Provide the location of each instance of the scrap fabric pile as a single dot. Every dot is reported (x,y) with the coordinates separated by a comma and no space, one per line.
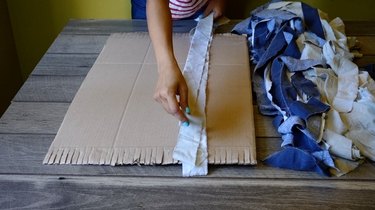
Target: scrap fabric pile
(304,76)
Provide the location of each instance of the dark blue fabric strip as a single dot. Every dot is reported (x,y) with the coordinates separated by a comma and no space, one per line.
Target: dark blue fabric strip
(265,106)
(276,46)
(304,85)
(243,27)
(370,69)
(312,20)
(305,110)
(282,90)
(296,159)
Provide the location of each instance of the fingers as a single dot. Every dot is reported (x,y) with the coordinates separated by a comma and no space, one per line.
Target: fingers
(171,83)
(215,6)
(217,14)
(176,111)
(209,8)
(184,99)
(170,104)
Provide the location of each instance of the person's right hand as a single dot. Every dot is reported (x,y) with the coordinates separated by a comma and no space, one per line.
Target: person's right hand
(170,85)
(215,6)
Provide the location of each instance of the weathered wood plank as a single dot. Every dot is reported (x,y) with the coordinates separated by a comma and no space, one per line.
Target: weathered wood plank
(49,88)
(357,28)
(23,154)
(367,44)
(178,193)
(365,60)
(65,64)
(263,125)
(78,44)
(33,117)
(46,118)
(106,27)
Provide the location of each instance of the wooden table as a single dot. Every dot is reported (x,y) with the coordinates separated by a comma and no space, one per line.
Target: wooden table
(29,125)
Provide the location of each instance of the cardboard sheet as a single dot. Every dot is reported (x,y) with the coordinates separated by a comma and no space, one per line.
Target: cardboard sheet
(113,119)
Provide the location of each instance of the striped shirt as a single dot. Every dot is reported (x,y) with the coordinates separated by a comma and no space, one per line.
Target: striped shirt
(185,8)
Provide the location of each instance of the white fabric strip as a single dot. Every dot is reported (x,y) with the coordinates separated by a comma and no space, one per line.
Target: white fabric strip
(191,147)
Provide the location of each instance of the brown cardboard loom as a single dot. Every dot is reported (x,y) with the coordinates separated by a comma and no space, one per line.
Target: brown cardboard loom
(113,119)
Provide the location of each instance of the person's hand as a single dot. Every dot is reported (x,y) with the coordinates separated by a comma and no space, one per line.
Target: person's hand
(171,84)
(215,6)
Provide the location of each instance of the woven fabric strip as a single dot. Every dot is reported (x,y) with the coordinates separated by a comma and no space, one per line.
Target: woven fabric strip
(191,147)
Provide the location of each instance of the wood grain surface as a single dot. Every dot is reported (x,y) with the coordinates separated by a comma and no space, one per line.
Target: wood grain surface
(51,192)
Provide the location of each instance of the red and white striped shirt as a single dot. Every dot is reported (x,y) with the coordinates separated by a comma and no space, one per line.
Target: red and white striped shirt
(185,8)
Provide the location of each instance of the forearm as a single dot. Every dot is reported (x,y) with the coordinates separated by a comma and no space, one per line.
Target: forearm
(170,81)
(160,28)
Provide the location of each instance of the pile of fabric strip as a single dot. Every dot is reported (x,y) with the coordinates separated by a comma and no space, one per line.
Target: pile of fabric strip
(323,104)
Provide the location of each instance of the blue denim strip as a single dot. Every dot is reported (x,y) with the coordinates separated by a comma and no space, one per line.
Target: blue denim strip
(312,20)
(325,158)
(292,50)
(310,112)
(314,39)
(306,110)
(279,15)
(276,47)
(261,39)
(243,27)
(304,85)
(370,69)
(296,159)
(284,95)
(286,129)
(309,145)
(264,104)
(295,64)
(282,90)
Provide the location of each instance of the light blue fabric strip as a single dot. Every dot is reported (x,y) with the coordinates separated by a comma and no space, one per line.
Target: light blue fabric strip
(191,147)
